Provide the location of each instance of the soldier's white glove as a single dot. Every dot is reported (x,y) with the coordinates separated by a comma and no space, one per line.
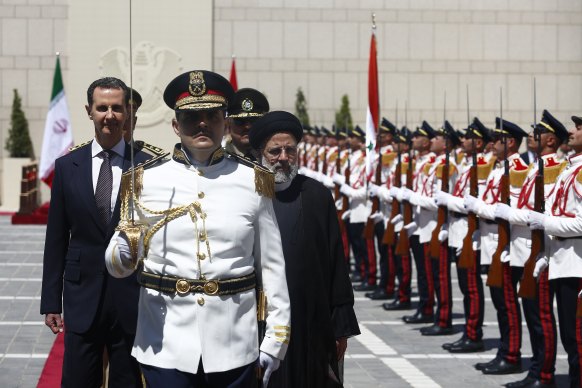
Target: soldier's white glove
(346,215)
(505,258)
(373,190)
(346,190)
(396,219)
(302,171)
(377,217)
(441,198)
(395,191)
(541,265)
(536,220)
(125,253)
(339,204)
(338,179)
(472,204)
(444,233)
(406,194)
(327,182)
(502,211)
(269,365)
(318,176)
(411,228)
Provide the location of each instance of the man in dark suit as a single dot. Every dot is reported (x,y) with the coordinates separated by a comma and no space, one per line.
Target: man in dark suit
(319,286)
(100,311)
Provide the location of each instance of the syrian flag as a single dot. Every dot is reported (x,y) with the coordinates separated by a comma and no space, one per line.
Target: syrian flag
(233,81)
(58,136)
(372,117)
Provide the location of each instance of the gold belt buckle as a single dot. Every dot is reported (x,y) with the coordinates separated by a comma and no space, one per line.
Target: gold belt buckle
(211,287)
(182,286)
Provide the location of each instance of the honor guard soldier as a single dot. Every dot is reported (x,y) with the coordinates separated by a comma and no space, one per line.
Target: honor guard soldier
(561,221)
(357,215)
(376,222)
(538,307)
(200,231)
(470,283)
(422,226)
(246,106)
(508,137)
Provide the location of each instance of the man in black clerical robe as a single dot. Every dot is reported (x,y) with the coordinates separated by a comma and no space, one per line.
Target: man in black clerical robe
(322,314)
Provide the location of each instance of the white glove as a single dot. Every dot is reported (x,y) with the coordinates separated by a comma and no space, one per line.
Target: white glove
(459,250)
(394,191)
(125,253)
(269,365)
(339,204)
(318,176)
(471,203)
(373,190)
(444,233)
(505,258)
(377,217)
(302,171)
(411,228)
(338,179)
(346,215)
(536,220)
(327,182)
(346,190)
(441,198)
(406,194)
(502,211)
(541,265)
(396,219)
(476,240)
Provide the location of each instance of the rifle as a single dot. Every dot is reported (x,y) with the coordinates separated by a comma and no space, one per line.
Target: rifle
(495,275)
(345,199)
(528,285)
(403,244)
(435,244)
(324,164)
(316,145)
(338,168)
(467,257)
(389,237)
(304,156)
(369,228)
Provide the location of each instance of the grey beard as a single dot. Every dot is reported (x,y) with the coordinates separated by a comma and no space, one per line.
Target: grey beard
(281,176)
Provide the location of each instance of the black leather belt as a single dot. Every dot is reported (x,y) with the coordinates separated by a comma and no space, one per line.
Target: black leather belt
(181,286)
(458,215)
(567,238)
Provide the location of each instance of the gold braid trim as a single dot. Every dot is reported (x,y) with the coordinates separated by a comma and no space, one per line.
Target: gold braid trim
(551,173)
(127,227)
(264,182)
(441,167)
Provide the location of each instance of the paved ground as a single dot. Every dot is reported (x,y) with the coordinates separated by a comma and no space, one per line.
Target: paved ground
(387,354)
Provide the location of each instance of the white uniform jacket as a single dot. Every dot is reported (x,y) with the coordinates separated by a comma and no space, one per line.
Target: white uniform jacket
(228,230)
(359,205)
(565,224)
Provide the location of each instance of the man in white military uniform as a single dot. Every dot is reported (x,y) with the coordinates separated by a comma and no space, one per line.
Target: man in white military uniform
(204,235)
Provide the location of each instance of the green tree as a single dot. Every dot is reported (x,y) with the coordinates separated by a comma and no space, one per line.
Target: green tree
(18,143)
(343,117)
(301,108)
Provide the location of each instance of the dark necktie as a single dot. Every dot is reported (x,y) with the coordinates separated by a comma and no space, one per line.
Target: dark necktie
(104,188)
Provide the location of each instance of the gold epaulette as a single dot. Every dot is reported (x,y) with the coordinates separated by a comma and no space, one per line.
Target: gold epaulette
(517,177)
(264,178)
(74,148)
(551,173)
(148,163)
(460,157)
(426,168)
(405,166)
(441,167)
(332,157)
(579,176)
(148,148)
(388,158)
(483,170)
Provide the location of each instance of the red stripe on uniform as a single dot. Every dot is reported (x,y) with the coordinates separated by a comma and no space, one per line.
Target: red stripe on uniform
(545,304)
(512,316)
(445,302)
(403,295)
(371,261)
(579,334)
(473,318)
(391,272)
(429,280)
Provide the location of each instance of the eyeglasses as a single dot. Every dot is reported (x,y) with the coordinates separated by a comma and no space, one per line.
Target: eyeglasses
(289,150)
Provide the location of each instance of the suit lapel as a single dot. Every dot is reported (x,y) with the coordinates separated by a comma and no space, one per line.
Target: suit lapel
(83,182)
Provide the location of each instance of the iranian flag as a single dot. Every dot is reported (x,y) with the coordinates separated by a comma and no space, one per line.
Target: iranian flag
(232,79)
(58,137)
(373,113)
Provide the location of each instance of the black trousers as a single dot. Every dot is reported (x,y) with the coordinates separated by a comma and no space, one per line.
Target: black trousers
(471,286)
(243,377)
(386,272)
(441,274)
(567,290)
(541,324)
(358,244)
(424,276)
(508,314)
(83,358)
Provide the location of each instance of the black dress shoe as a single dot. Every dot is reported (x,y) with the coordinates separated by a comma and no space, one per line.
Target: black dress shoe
(467,346)
(436,330)
(483,365)
(364,287)
(522,383)
(396,305)
(502,367)
(539,384)
(380,294)
(418,317)
(448,345)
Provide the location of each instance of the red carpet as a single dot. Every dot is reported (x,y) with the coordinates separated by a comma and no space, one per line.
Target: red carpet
(53,368)
(38,217)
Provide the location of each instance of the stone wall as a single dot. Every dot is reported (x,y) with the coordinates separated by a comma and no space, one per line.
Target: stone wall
(425,47)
